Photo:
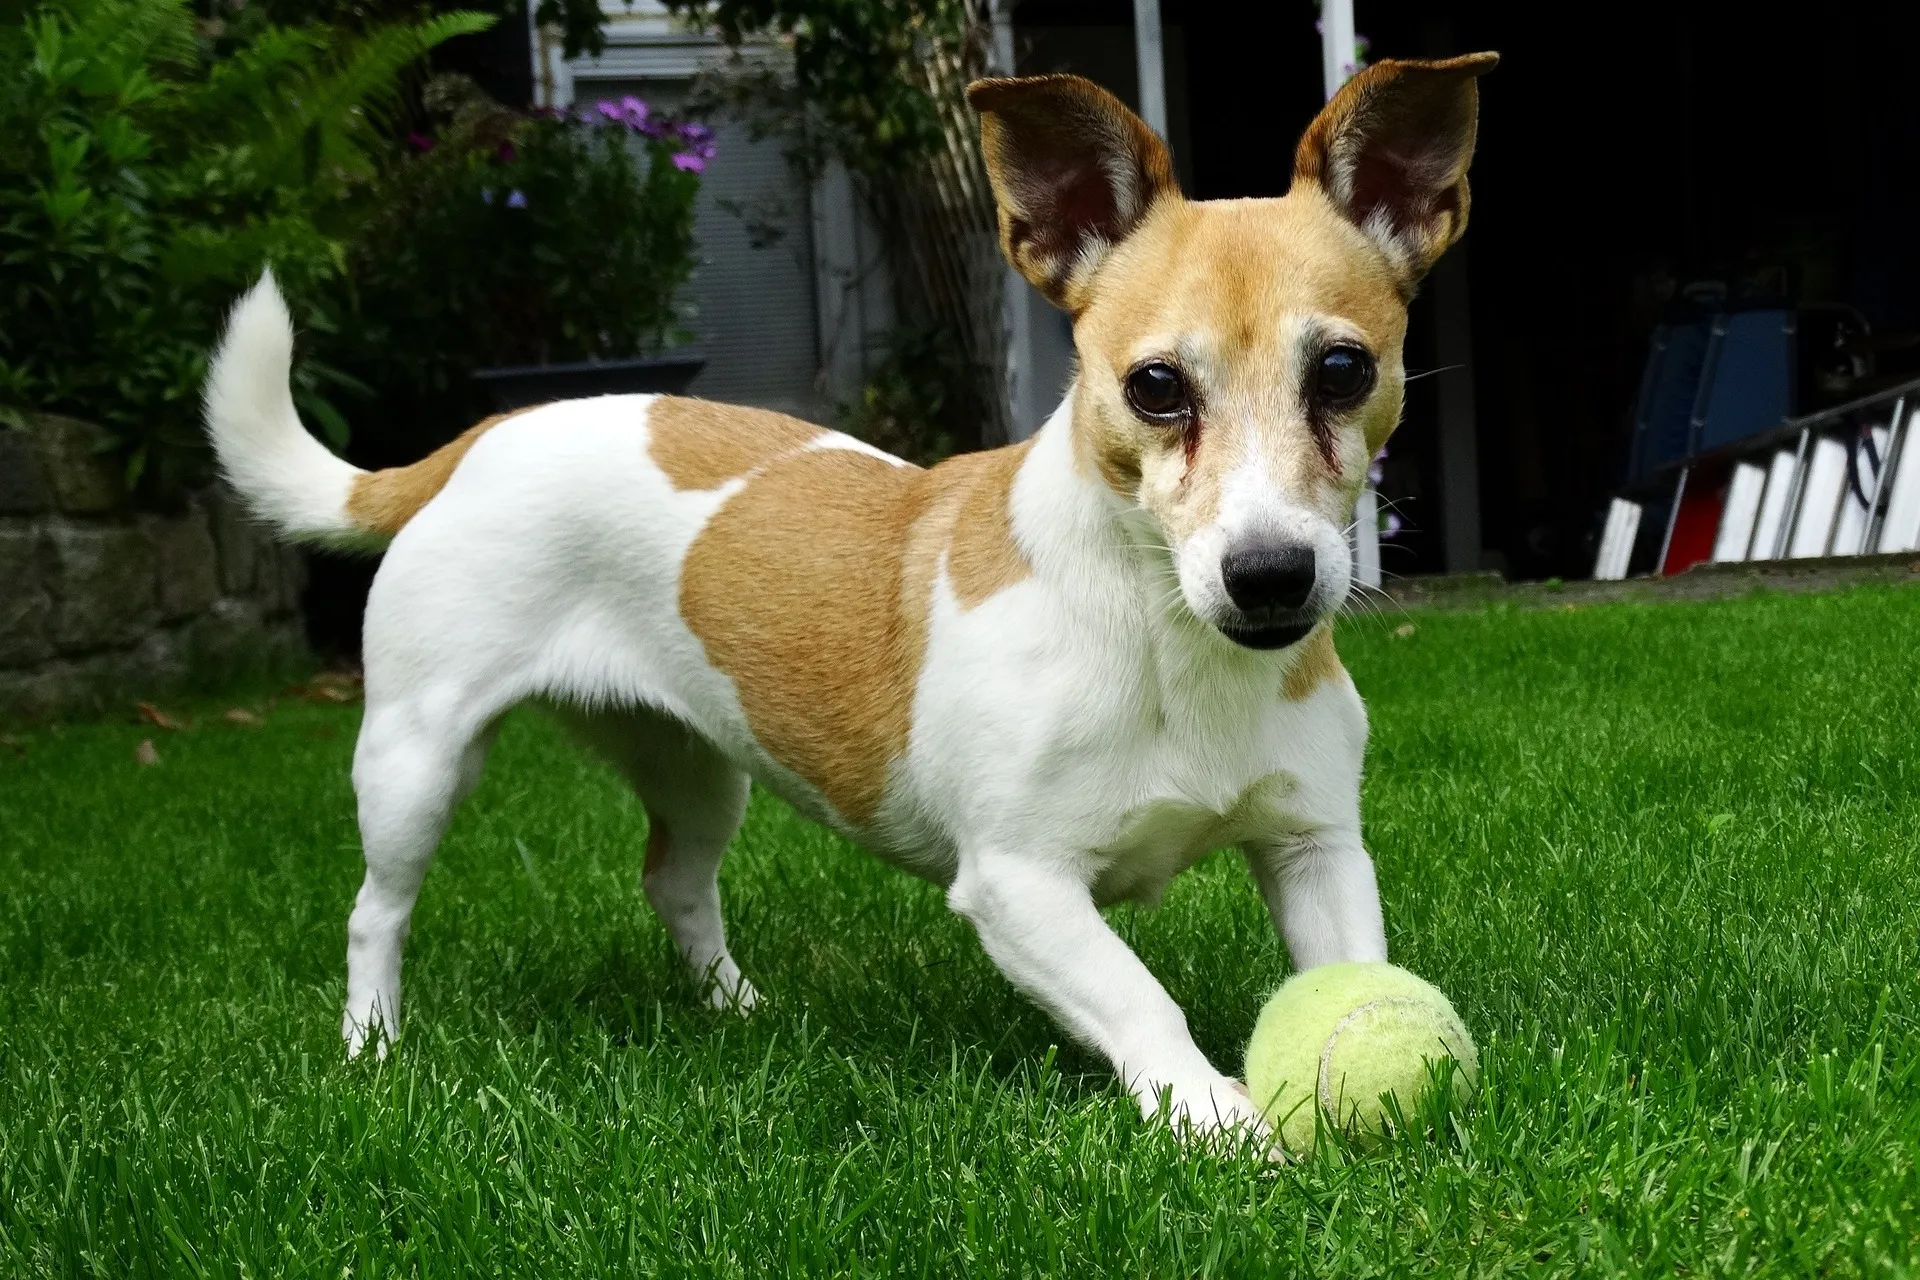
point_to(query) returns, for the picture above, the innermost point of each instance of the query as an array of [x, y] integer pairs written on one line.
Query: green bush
[[921, 400], [508, 238], [143, 183]]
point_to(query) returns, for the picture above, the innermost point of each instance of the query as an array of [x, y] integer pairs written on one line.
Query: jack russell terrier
[[1047, 677]]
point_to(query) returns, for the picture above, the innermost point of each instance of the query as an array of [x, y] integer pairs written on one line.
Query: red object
[[1698, 523]]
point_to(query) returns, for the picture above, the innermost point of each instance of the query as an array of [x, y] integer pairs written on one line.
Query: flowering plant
[[693, 141], [510, 238]]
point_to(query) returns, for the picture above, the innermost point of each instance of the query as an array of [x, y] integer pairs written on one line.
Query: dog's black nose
[[1268, 576]]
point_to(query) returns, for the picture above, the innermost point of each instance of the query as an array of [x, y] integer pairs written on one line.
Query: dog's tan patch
[[1315, 663], [810, 589], [982, 556], [383, 501], [702, 445]]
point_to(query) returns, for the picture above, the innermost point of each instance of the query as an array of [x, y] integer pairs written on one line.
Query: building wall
[[790, 297]]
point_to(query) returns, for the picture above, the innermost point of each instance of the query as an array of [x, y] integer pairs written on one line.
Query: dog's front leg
[[1039, 924], [1321, 893]]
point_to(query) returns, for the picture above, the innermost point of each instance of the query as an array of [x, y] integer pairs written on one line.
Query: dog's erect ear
[[1391, 151], [1073, 172]]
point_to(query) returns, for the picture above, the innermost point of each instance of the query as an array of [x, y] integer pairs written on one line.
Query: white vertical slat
[[1901, 530], [1742, 510], [1850, 534], [1616, 540], [1819, 500], [1773, 506]]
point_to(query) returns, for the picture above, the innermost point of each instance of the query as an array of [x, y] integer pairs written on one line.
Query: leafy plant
[[857, 73], [922, 400], [509, 238], [144, 182], [878, 85]]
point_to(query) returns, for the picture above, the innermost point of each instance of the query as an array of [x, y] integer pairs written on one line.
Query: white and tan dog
[[1046, 677]]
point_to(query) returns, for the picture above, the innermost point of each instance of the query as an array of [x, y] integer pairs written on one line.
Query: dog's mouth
[[1279, 635]]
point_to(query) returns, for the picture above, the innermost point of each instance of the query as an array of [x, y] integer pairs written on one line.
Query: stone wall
[[100, 604]]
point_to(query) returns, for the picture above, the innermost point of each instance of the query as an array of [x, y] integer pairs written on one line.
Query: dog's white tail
[[286, 477]]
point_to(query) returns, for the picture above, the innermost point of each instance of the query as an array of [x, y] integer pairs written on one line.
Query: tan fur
[[1231, 282], [1316, 661], [982, 557], [810, 590], [383, 501], [702, 445]]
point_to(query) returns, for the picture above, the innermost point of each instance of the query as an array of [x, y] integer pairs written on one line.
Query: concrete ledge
[[1469, 591]]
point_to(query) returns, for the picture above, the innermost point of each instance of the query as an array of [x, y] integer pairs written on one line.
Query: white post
[[1339, 54], [1152, 61], [1337, 43], [1016, 297]]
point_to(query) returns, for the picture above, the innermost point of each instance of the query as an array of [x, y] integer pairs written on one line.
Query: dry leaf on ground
[[330, 686], [146, 752], [157, 718], [1404, 630], [240, 715]]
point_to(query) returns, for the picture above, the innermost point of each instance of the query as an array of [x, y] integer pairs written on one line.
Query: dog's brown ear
[[1073, 172], [1391, 151]]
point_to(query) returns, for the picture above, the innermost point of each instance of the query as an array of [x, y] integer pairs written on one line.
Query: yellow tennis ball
[[1339, 1037]]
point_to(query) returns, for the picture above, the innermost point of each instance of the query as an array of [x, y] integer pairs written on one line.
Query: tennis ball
[[1341, 1036]]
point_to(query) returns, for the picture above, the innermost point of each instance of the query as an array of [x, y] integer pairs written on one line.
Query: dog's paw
[[738, 996], [1216, 1113], [363, 1033]]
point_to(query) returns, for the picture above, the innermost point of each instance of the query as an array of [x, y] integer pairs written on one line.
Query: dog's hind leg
[[417, 757], [695, 799]]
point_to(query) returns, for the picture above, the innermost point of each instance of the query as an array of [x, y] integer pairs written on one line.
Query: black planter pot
[[517, 386]]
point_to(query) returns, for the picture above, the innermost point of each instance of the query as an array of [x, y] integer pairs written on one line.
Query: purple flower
[[688, 162], [629, 111], [1390, 525], [419, 141], [505, 153], [486, 195], [516, 199]]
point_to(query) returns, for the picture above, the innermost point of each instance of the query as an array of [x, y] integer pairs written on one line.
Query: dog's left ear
[[1391, 151], [1073, 172]]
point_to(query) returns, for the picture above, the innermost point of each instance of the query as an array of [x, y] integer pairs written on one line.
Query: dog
[[1047, 677]]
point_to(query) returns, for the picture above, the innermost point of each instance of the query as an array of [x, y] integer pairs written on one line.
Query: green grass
[[1662, 857]]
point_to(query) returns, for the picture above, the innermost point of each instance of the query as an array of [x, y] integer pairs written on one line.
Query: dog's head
[[1240, 360]]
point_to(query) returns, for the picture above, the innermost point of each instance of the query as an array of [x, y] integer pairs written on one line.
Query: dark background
[[1625, 153]]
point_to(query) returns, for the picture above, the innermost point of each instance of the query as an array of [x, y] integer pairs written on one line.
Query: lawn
[[1662, 856]]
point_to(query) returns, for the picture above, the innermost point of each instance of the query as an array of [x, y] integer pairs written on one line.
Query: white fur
[[1077, 738], [286, 476]]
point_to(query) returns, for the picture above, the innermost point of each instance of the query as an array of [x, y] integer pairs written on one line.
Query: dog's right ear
[[1073, 172]]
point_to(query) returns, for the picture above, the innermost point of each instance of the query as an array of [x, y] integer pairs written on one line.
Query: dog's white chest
[[1158, 840]]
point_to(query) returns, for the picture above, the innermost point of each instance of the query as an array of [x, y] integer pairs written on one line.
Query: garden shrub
[[512, 238], [143, 183]]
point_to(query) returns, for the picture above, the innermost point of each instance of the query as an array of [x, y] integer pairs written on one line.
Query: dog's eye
[[1156, 390], [1344, 375]]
